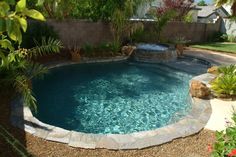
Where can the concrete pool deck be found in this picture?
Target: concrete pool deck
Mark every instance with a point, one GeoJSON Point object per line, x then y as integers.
{"type": "Point", "coordinates": [216, 58]}
{"type": "Point", "coordinates": [221, 110]}
{"type": "Point", "coordinates": [221, 114]}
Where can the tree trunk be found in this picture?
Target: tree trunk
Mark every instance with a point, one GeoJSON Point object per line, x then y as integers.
{"type": "Point", "coordinates": [234, 9]}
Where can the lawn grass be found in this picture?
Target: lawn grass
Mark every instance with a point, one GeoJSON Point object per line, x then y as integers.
{"type": "Point", "coordinates": [223, 47]}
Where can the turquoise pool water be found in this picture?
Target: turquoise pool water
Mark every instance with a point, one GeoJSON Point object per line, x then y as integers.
{"type": "Point", "coordinates": [116, 98]}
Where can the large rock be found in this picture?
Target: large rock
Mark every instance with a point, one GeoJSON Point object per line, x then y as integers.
{"type": "Point", "coordinates": [199, 89]}
{"type": "Point", "coordinates": [128, 50]}
{"type": "Point", "coordinates": [213, 70]}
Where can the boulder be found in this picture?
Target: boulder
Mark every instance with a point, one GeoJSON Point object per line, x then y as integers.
{"type": "Point", "coordinates": [199, 89]}
{"type": "Point", "coordinates": [213, 70]}
{"type": "Point", "coordinates": [127, 50]}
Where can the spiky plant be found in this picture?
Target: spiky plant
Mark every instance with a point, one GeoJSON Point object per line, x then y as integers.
{"type": "Point", "coordinates": [18, 75]}
{"type": "Point", "coordinates": [227, 70]}
{"type": "Point", "coordinates": [17, 68]}
{"type": "Point", "coordinates": [225, 85]}
{"type": "Point", "coordinates": [14, 143]}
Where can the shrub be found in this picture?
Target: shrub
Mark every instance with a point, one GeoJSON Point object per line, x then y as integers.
{"type": "Point", "coordinates": [224, 85]}
{"type": "Point", "coordinates": [231, 38]}
{"type": "Point", "coordinates": [227, 70]}
{"type": "Point", "coordinates": [16, 68]}
{"type": "Point", "coordinates": [188, 18]}
{"type": "Point", "coordinates": [87, 49]}
{"type": "Point", "coordinates": [138, 35]}
{"type": "Point", "coordinates": [224, 37]}
{"type": "Point", "coordinates": [217, 37]}
{"type": "Point", "coordinates": [201, 3]}
{"type": "Point", "coordinates": [102, 49]}
{"type": "Point", "coordinates": [115, 47]}
{"type": "Point", "coordinates": [225, 144]}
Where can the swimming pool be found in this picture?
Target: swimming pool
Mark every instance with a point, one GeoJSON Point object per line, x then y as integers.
{"type": "Point", "coordinates": [112, 98]}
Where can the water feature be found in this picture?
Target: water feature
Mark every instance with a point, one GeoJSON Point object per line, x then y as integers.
{"type": "Point", "coordinates": [154, 53]}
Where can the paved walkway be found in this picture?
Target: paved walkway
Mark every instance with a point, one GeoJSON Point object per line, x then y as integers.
{"type": "Point", "coordinates": [216, 58]}
{"type": "Point", "coordinates": [221, 110]}
{"type": "Point", "coordinates": [221, 114]}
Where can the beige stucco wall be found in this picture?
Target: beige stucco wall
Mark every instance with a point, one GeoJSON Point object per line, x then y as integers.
{"type": "Point", "coordinates": [77, 33]}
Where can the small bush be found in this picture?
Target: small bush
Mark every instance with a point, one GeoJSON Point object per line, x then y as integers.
{"type": "Point", "coordinates": [227, 70]}
{"type": "Point", "coordinates": [188, 18]}
{"type": "Point", "coordinates": [115, 47]}
{"type": "Point", "coordinates": [225, 144]}
{"type": "Point", "coordinates": [224, 37]}
{"type": "Point", "coordinates": [224, 85]}
{"type": "Point", "coordinates": [101, 50]}
{"type": "Point", "coordinates": [217, 37]}
{"type": "Point", "coordinates": [87, 49]}
{"type": "Point", "coordinates": [231, 38]}
{"type": "Point", "coordinates": [138, 35]}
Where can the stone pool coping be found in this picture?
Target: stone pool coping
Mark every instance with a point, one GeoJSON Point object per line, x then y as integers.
{"type": "Point", "coordinates": [88, 61]}
{"type": "Point", "coordinates": [22, 117]}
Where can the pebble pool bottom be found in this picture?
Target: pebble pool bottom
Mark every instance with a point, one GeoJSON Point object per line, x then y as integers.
{"type": "Point", "coordinates": [112, 98]}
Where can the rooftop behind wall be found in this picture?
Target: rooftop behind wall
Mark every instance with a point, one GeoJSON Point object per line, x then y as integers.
{"type": "Point", "coordinates": [77, 33]}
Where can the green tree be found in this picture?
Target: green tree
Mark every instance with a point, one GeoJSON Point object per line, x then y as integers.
{"type": "Point", "coordinates": [57, 8]}
{"type": "Point", "coordinates": [86, 9]}
{"type": "Point", "coordinates": [232, 3]}
{"type": "Point", "coordinates": [201, 3]}
{"type": "Point", "coordinates": [16, 67]}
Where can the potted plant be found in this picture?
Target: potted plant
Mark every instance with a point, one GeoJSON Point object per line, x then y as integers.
{"type": "Point", "coordinates": [180, 43]}
{"type": "Point", "coordinates": [75, 54]}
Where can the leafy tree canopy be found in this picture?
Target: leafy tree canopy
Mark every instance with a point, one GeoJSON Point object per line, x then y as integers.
{"type": "Point", "coordinates": [201, 3]}
{"type": "Point", "coordinates": [87, 9]}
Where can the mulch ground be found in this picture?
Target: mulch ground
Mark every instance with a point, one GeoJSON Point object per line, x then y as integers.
{"type": "Point", "coordinates": [192, 146]}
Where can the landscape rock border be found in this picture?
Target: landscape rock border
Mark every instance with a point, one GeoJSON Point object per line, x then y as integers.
{"type": "Point", "coordinates": [22, 117]}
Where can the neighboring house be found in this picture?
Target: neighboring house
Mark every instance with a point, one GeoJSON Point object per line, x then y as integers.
{"type": "Point", "coordinates": [210, 14]}
{"type": "Point", "coordinates": [143, 10]}
{"type": "Point", "coordinates": [228, 26]}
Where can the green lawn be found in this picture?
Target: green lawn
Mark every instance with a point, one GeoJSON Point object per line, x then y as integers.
{"type": "Point", "coordinates": [224, 47]}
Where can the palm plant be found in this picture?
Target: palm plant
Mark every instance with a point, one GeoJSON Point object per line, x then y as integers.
{"type": "Point", "coordinates": [14, 143]}
{"type": "Point", "coordinates": [18, 74]}
{"type": "Point", "coordinates": [16, 66]}
{"type": "Point", "coordinates": [120, 20]}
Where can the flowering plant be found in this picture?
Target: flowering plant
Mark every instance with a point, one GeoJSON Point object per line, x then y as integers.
{"type": "Point", "coordinates": [225, 144]}
{"type": "Point", "coordinates": [232, 153]}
